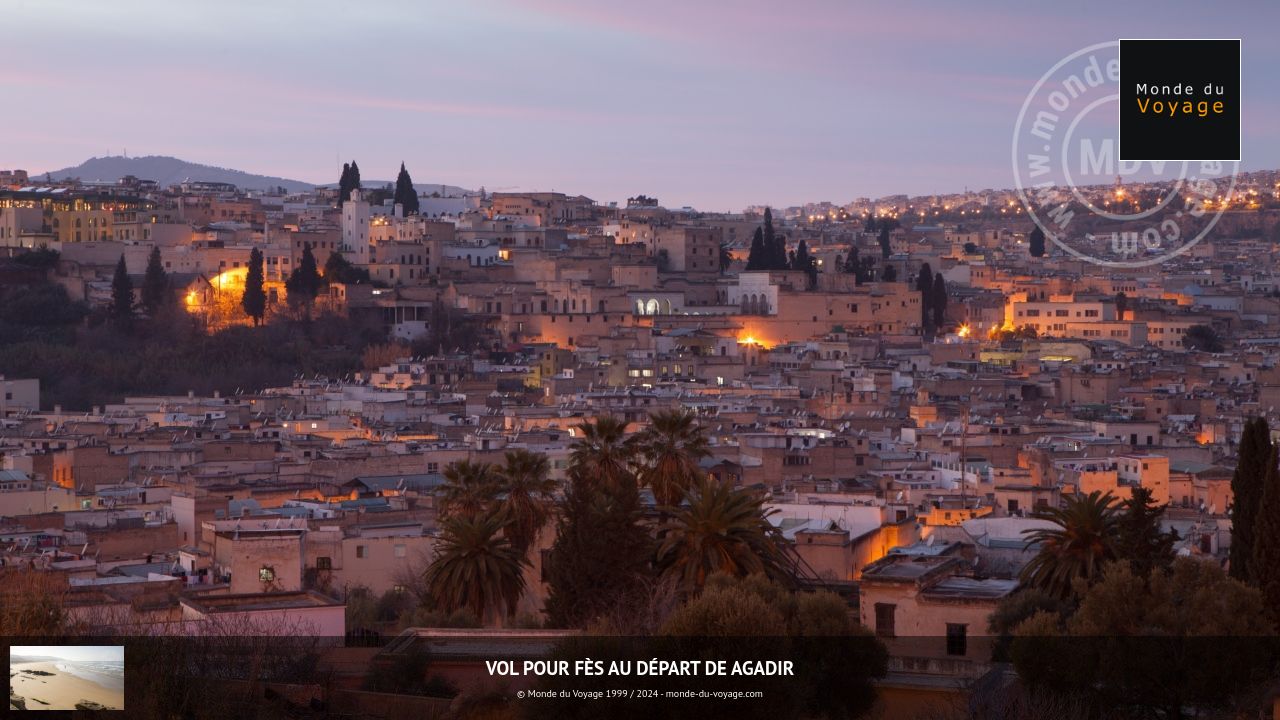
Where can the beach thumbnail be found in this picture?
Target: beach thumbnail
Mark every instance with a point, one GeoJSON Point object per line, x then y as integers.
{"type": "Point", "coordinates": [66, 677]}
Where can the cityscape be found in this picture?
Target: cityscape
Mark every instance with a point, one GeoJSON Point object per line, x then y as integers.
{"type": "Point", "coordinates": [365, 446]}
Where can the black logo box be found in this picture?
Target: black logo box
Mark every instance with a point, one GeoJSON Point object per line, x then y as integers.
{"type": "Point", "coordinates": [1185, 65]}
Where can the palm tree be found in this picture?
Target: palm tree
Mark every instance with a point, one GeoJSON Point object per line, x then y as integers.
{"type": "Point", "coordinates": [476, 566]}
{"type": "Point", "coordinates": [602, 454]}
{"type": "Point", "coordinates": [671, 447]}
{"type": "Point", "coordinates": [720, 529]}
{"type": "Point", "coordinates": [469, 488]}
{"type": "Point", "coordinates": [1083, 541]}
{"type": "Point", "coordinates": [526, 495]}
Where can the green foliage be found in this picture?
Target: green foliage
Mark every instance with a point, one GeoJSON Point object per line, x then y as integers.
{"type": "Point", "coordinates": [406, 196]}
{"type": "Point", "coordinates": [349, 181]}
{"type": "Point", "coordinates": [1035, 242]}
{"type": "Point", "coordinates": [768, 249]}
{"type": "Point", "coordinates": [720, 529]}
{"type": "Point", "coordinates": [40, 257]}
{"type": "Point", "coordinates": [671, 447]}
{"type": "Point", "coordinates": [890, 273]}
{"type": "Point", "coordinates": [602, 555]}
{"type": "Point", "coordinates": [121, 307]}
{"type": "Point", "coordinates": [1183, 638]}
{"type": "Point", "coordinates": [476, 567]}
{"type": "Point", "coordinates": [526, 496]}
{"type": "Point", "coordinates": [254, 299]}
{"type": "Point", "coordinates": [885, 248]}
{"type": "Point", "coordinates": [1140, 540]}
{"type": "Point", "coordinates": [156, 293]}
{"type": "Point", "coordinates": [1203, 338]}
{"type": "Point", "coordinates": [1265, 567]}
{"type": "Point", "coordinates": [1246, 488]}
{"type": "Point", "coordinates": [337, 269]}
{"type": "Point", "coordinates": [469, 488]}
{"type": "Point", "coordinates": [938, 300]}
{"type": "Point", "coordinates": [1083, 541]}
{"type": "Point", "coordinates": [970, 249]}
{"type": "Point", "coordinates": [304, 283]}
{"type": "Point", "coordinates": [169, 354]}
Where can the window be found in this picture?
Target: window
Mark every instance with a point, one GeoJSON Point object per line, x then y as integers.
{"type": "Point", "coordinates": [399, 551]}
{"type": "Point", "coordinates": [957, 639]}
{"type": "Point", "coordinates": [884, 619]}
{"type": "Point", "coordinates": [267, 574]}
{"type": "Point", "coordinates": [324, 563]}
{"type": "Point", "coordinates": [360, 551]}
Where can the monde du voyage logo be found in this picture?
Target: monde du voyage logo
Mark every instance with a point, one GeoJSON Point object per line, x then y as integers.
{"type": "Point", "coordinates": [1124, 151]}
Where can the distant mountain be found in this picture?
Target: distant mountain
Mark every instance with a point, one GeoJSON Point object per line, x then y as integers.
{"type": "Point", "coordinates": [168, 171]}
{"type": "Point", "coordinates": [32, 658]}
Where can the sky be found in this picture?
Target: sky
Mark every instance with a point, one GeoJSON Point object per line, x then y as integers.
{"type": "Point", "coordinates": [716, 104]}
{"type": "Point", "coordinates": [81, 653]}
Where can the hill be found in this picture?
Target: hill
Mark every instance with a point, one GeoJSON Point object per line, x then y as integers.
{"type": "Point", "coordinates": [168, 171]}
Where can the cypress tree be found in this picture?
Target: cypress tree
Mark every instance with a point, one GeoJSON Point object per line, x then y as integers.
{"type": "Point", "coordinates": [304, 282]}
{"type": "Point", "coordinates": [889, 274]}
{"type": "Point", "coordinates": [756, 259]}
{"type": "Point", "coordinates": [155, 284]}
{"type": "Point", "coordinates": [939, 300]}
{"type": "Point", "coordinates": [775, 247]}
{"type": "Point", "coordinates": [121, 307]}
{"type": "Point", "coordinates": [254, 300]}
{"type": "Point", "coordinates": [355, 177]}
{"type": "Point", "coordinates": [885, 249]}
{"type": "Point", "coordinates": [1246, 488]}
{"type": "Point", "coordinates": [924, 285]}
{"type": "Point", "coordinates": [1265, 564]}
{"type": "Point", "coordinates": [405, 195]}
{"type": "Point", "coordinates": [344, 183]}
{"type": "Point", "coordinates": [1036, 242]}
{"type": "Point", "coordinates": [601, 555]}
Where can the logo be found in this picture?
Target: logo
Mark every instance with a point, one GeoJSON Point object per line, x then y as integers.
{"type": "Point", "coordinates": [1085, 199]}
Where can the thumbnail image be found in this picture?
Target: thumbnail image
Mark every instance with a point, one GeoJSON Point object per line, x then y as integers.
{"type": "Point", "coordinates": [66, 677]}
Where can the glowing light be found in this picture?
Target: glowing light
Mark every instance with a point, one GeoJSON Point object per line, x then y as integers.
{"type": "Point", "coordinates": [964, 331]}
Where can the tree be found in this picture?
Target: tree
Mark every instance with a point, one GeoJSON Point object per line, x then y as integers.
{"type": "Point", "coordinates": [1035, 242]}
{"type": "Point", "coordinates": [671, 447]}
{"type": "Point", "coordinates": [469, 488]}
{"type": "Point", "coordinates": [121, 307]}
{"type": "Point", "coordinates": [775, 246]}
{"type": "Point", "coordinates": [1266, 541]}
{"type": "Point", "coordinates": [1122, 302]}
{"type": "Point", "coordinates": [1246, 489]}
{"type": "Point", "coordinates": [970, 249]}
{"type": "Point", "coordinates": [602, 555]}
{"type": "Point", "coordinates": [602, 455]}
{"type": "Point", "coordinates": [726, 258]}
{"type": "Point", "coordinates": [526, 495]}
{"type": "Point", "coordinates": [155, 284]}
{"type": "Point", "coordinates": [756, 258]}
{"type": "Point", "coordinates": [1140, 540]}
{"type": "Point", "coordinates": [254, 300]}
{"type": "Point", "coordinates": [349, 181]}
{"type": "Point", "coordinates": [924, 285]}
{"type": "Point", "coordinates": [1083, 541]}
{"type": "Point", "coordinates": [304, 283]}
{"type": "Point", "coordinates": [337, 269]}
{"type": "Point", "coordinates": [1203, 338]}
{"type": "Point", "coordinates": [406, 196]}
{"type": "Point", "coordinates": [1190, 637]}
{"type": "Point", "coordinates": [938, 299]}
{"type": "Point", "coordinates": [889, 274]}
{"type": "Point", "coordinates": [721, 529]}
{"type": "Point", "coordinates": [885, 248]}
{"type": "Point", "coordinates": [476, 567]}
